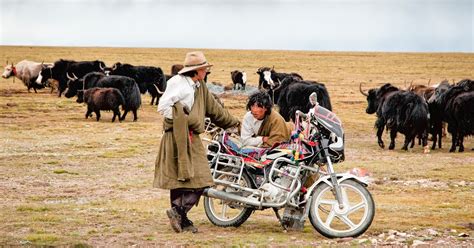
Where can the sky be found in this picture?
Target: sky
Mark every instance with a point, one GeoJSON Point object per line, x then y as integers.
{"type": "Point", "coordinates": [315, 25]}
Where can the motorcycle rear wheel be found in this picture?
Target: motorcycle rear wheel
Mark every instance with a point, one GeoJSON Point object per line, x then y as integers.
{"type": "Point", "coordinates": [351, 221]}
{"type": "Point", "coordinates": [225, 214]}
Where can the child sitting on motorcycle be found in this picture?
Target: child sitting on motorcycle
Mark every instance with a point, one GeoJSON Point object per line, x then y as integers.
{"type": "Point", "coordinates": [262, 127]}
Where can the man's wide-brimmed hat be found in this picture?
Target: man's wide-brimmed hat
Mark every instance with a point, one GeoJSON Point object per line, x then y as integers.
{"type": "Point", "coordinates": [194, 61]}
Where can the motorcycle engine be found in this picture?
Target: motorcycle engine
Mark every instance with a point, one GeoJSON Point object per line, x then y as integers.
{"type": "Point", "coordinates": [272, 193]}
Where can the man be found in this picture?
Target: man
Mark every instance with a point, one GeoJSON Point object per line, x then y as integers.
{"type": "Point", "coordinates": [262, 127]}
{"type": "Point", "coordinates": [181, 165]}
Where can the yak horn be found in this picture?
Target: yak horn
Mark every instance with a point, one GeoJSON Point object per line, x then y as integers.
{"type": "Point", "coordinates": [279, 85]}
{"type": "Point", "coordinates": [69, 77]}
{"type": "Point", "coordinates": [361, 91]}
{"type": "Point", "coordinates": [424, 97]}
{"type": "Point", "coordinates": [159, 92]}
{"type": "Point", "coordinates": [75, 77]}
{"type": "Point", "coordinates": [101, 67]}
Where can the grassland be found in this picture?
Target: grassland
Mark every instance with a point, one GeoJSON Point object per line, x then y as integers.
{"type": "Point", "coordinates": [65, 180]}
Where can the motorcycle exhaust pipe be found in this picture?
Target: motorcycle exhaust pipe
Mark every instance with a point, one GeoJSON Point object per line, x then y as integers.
{"type": "Point", "coordinates": [214, 193]}
{"type": "Point", "coordinates": [218, 194]}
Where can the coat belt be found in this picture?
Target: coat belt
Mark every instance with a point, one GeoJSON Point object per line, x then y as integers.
{"type": "Point", "coordinates": [190, 131]}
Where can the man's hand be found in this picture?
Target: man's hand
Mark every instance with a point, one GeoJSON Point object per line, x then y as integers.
{"type": "Point", "coordinates": [265, 139]}
{"type": "Point", "coordinates": [235, 129]}
{"type": "Point", "coordinates": [232, 130]}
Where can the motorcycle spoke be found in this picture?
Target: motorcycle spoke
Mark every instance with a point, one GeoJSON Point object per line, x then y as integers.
{"type": "Point", "coordinates": [326, 211]}
{"type": "Point", "coordinates": [345, 199]}
{"type": "Point", "coordinates": [330, 218]}
{"type": "Point", "coordinates": [328, 202]}
{"type": "Point", "coordinates": [224, 211]}
{"type": "Point", "coordinates": [347, 221]}
{"type": "Point", "coordinates": [356, 207]}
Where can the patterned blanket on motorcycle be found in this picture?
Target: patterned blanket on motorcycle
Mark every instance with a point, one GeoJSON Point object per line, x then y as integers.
{"type": "Point", "coordinates": [248, 152]}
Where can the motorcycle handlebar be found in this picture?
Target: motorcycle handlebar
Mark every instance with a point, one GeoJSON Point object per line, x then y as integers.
{"type": "Point", "coordinates": [301, 114]}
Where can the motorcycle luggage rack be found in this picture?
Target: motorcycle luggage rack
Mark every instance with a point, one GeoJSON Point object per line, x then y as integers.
{"type": "Point", "coordinates": [212, 153]}
{"type": "Point", "coordinates": [231, 167]}
{"type": "Point", "coordinates": [228, 165]}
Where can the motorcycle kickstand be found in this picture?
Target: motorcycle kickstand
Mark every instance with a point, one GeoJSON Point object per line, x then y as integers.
{"type": "Point", "coordinates": [279, 218]}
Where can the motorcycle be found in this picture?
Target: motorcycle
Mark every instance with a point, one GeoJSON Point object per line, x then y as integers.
{"type": "Point", "coordinates": [296, 176]}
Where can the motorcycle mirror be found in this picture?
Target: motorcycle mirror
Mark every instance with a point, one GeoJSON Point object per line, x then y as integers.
{"type": "Point", "coordinates": [313, 99]}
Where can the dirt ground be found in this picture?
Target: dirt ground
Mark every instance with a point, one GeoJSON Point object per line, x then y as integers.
{"type": "Point", "coordinates": [67, 180]}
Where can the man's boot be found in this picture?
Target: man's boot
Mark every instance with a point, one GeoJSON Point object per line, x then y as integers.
{"type": "Point", "coordinates": [187, 225]}
{"type": "Point", "coordinates": [175, 219]}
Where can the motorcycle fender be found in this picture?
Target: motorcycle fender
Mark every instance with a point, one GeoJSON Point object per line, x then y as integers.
{"type": "Point", "coordinates": [340, 178]}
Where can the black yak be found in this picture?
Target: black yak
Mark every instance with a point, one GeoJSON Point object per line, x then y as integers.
{"type": "Point", "coordinates": [457, 106]}
{"type": "Point", "coordinates": [129, 90]}
{"type": "Point", "coordinates": [400, 111]}
{"type": "Point", "coordinates": [88, 81]}
{"type": "Point", "coordinates": [148, 78]}
{"type": "Point", "coordinates": [270, 79]}
{"type": "Point", "coordinates": [239, 78]}
{"type": "Point", "coordinates": [436, 114]}
{"type": "Point", "coordinates": [127, 86]}
{"type": "Point", "coordinates": [293, 94]}
{"type": "Point", "coordinates": [62, 70]}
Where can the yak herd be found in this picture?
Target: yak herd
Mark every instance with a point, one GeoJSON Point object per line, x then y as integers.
{"type": "Point", "coordinates": [416, 111]}
{"type": "Point", "coordinates": [420, 110]}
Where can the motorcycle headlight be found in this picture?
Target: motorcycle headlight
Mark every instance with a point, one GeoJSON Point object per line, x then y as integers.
{"type": "Point", "coordinates": [336, 148]}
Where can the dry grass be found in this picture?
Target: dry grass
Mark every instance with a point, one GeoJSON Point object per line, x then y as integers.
{"type": "Point", "coordinates": [65, 180]}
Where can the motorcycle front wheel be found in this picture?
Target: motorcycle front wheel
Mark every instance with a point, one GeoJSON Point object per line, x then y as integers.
{"type": "Point", "coordinates": [352, 220]}
{"type": "Point", "coordinates": [224, 213]}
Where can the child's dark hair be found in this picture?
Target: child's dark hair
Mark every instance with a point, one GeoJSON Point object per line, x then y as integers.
{"type": "Point", "coordinates": [262, 99]}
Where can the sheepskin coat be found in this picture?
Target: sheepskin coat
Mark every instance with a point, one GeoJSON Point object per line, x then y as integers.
{"type": "Point", "coordinates": [275, 127]}
{"type": "Point", "coordinates": [166, 165]}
